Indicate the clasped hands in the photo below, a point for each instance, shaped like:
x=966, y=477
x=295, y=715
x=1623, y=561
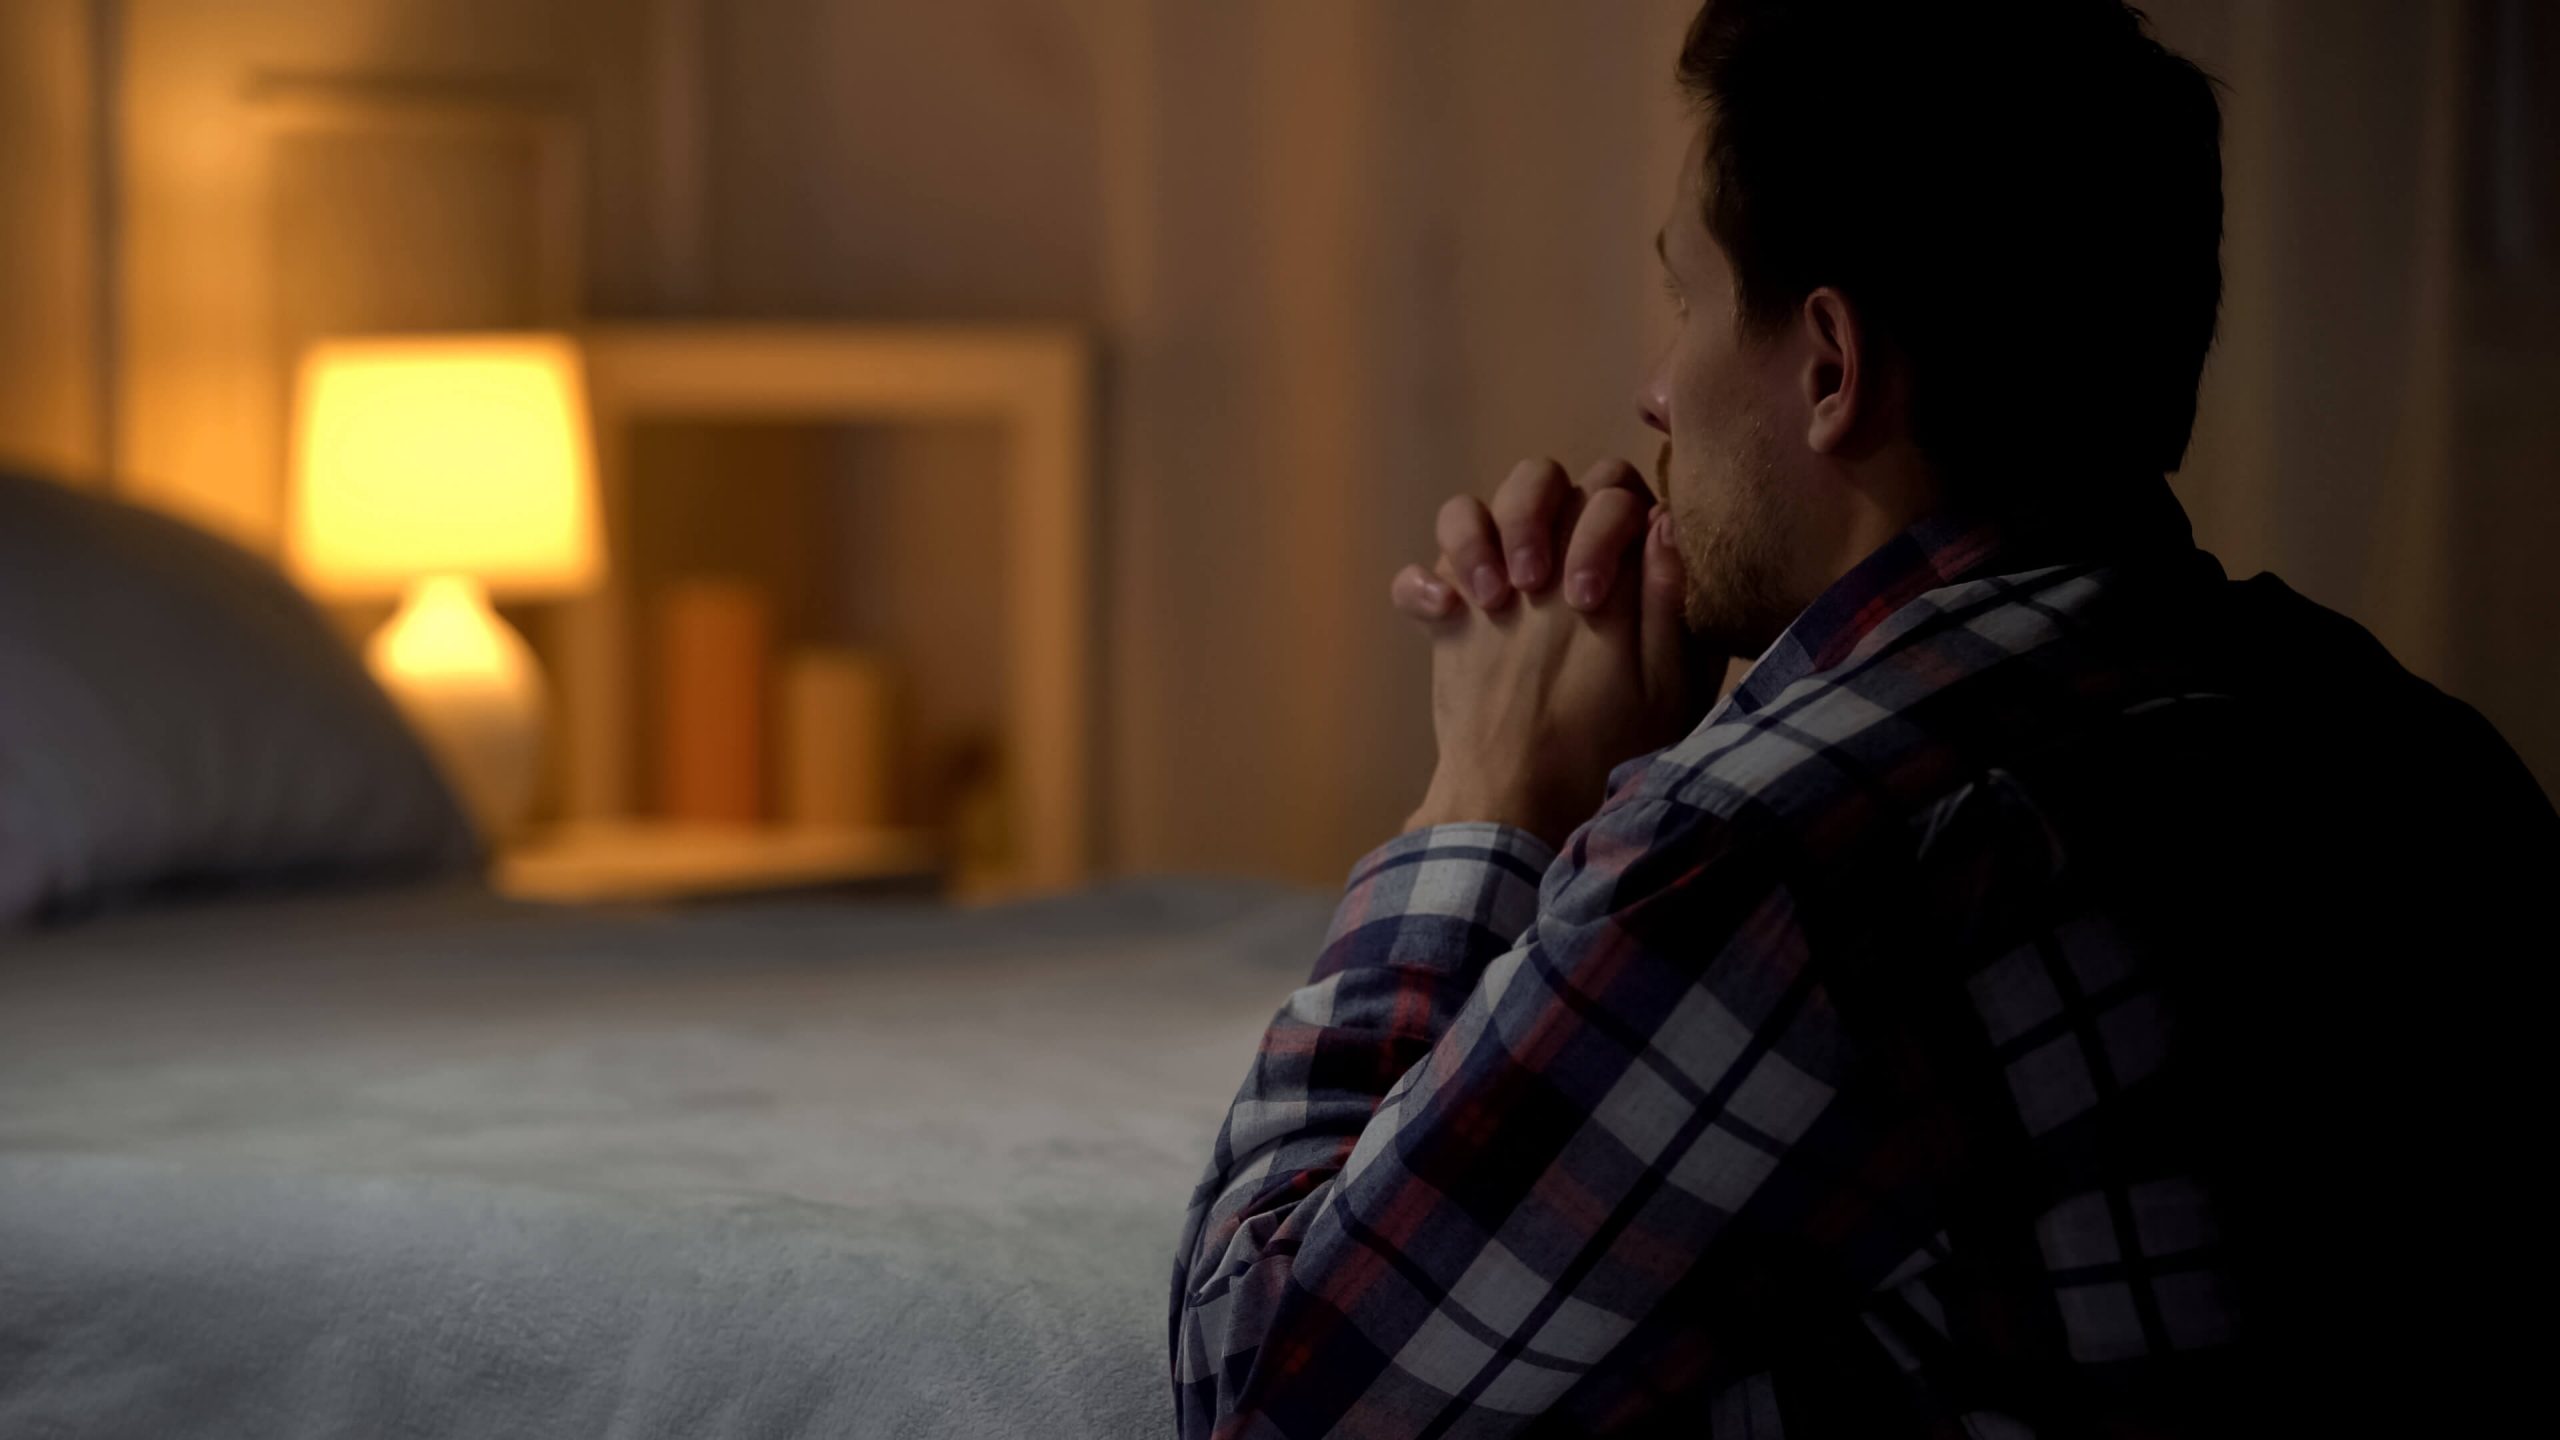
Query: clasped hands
x=1558, y=649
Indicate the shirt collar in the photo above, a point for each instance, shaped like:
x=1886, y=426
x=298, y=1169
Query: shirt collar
x=1957, y=543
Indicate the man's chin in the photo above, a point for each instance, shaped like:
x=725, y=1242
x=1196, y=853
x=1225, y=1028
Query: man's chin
x=1730, y=625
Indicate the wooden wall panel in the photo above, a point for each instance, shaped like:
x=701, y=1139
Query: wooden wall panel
x=219, y=201
x=48, y=249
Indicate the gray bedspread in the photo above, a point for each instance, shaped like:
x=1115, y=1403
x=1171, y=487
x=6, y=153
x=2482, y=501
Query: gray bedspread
x=443, y=1166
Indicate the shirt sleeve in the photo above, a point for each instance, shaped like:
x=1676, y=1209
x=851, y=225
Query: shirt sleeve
x=1480, y=1151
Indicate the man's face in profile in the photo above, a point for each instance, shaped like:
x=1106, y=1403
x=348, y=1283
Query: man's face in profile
x=1718, y=395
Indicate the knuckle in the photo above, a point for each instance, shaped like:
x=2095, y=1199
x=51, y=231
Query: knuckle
x=1613, y=502
x=1462, y=525
x=1608, y=517
x=1607, y=474
x=1534, y=485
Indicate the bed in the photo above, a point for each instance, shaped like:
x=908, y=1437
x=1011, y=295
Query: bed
x=429, y=1163
x=303, y=1131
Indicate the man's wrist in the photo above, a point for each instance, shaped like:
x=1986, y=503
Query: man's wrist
x=1448, y=803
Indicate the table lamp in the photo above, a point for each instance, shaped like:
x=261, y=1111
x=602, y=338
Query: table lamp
x=442, y=470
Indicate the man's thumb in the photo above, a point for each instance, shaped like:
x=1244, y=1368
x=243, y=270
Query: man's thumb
x=1662, y=624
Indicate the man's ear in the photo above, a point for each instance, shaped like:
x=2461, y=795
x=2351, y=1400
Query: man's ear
x=1839, y=377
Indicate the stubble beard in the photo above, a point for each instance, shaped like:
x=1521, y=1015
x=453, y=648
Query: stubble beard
x=1734, y=548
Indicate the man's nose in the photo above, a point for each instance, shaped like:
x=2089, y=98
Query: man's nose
x=1649, y=405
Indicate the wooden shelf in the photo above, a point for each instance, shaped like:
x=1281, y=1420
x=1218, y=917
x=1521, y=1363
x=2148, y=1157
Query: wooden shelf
x=1034, y=383
x=643, y=860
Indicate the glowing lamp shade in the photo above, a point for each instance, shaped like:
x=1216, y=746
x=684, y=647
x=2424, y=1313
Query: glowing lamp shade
x=450, y=456
x=440, y=470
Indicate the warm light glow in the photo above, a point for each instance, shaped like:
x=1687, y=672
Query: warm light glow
x=460, y=455
x=469, y=686
x=446, y=633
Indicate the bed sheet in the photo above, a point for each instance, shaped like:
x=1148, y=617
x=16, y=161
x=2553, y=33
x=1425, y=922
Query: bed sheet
x=439, y=1164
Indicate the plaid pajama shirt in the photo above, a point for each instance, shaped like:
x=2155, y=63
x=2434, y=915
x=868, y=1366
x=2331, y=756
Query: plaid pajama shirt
x=1810, y=1089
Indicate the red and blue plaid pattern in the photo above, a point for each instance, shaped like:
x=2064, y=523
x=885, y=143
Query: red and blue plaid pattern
x=1810, y=1089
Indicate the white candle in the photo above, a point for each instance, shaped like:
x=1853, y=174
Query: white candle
x=840, y=738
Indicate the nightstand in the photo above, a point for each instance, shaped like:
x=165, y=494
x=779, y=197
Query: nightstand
x=659, y=862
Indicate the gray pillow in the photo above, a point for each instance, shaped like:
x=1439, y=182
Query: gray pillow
x=174, y=714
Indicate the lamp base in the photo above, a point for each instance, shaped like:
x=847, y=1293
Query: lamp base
x=469, y=685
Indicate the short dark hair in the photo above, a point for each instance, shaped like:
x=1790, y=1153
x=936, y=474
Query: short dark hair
x=1955, y=169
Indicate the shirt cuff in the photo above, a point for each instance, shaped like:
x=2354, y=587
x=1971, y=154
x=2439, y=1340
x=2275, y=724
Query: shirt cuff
x=1482, y=874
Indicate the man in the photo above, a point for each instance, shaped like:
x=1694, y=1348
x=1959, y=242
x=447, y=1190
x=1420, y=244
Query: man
x=2054, y=992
